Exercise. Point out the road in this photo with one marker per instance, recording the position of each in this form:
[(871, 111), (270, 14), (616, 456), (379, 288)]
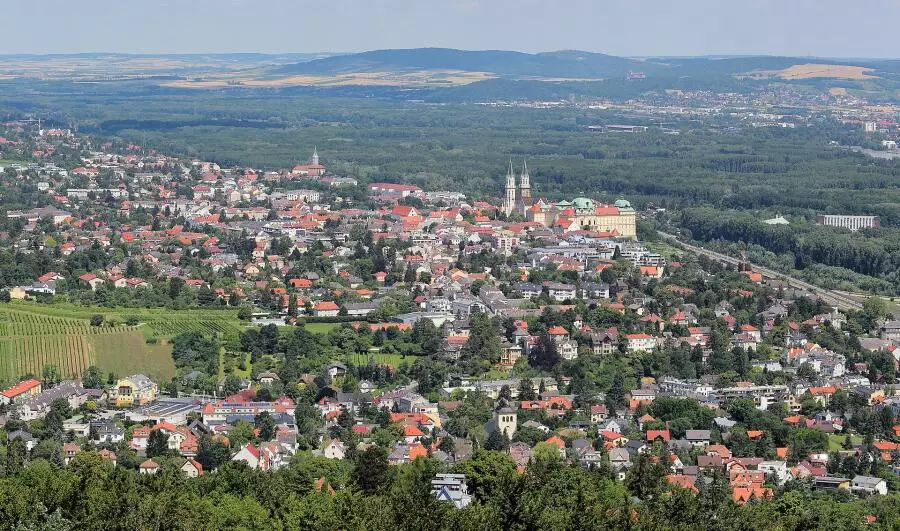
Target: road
[(839, 299)]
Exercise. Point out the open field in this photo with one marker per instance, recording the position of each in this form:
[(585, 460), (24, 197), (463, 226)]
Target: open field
[(128, 353), (320, 328), (418, 78), (35, 335), (833, 71)]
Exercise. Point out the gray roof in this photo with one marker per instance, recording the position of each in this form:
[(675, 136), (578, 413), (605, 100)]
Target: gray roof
[(697, 435)]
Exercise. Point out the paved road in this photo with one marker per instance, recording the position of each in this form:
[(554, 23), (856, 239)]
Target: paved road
[(835, 298)]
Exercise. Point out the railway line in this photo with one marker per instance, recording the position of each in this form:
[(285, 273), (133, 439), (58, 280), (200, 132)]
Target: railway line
[(838, 299)]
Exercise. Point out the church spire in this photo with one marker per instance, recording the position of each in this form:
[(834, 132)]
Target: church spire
[(315, 157), (525, 182), (509, 202)]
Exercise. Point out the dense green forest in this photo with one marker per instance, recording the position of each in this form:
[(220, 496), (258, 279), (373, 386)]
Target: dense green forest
[(872, 252)]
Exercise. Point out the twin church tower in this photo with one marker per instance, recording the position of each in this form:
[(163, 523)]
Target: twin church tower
[(517, 200)]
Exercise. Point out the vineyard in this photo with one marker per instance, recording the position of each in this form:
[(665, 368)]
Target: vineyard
[(33, 336)]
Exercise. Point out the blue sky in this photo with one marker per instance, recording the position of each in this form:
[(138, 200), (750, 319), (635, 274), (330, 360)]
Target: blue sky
[(623, 27)]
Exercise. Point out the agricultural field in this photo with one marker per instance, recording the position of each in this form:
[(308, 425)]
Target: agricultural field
[(35, 335), (129, 353)]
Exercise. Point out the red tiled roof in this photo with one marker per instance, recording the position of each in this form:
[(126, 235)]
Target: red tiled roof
[(20, 388)]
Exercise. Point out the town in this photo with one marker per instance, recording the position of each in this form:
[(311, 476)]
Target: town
[(310, 319)]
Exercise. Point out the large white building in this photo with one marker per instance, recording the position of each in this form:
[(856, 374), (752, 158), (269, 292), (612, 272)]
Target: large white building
[(849, 222)]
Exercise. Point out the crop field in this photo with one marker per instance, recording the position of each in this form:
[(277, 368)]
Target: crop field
[(34, 335), (173, 327)]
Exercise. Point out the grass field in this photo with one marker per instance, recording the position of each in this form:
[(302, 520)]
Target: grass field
[(129, 353), (320, 328), (34, 335), (836, 441)]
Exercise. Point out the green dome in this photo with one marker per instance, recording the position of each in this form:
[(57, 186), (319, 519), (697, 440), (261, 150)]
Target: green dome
[(583, 203), (621, 203)]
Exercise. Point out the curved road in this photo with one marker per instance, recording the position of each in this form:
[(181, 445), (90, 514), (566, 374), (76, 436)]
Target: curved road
[(835, 298)]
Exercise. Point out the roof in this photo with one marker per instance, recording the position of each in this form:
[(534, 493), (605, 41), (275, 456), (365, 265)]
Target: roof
[(21, 387)]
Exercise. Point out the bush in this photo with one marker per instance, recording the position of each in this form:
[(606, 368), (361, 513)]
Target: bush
[(96, 319)]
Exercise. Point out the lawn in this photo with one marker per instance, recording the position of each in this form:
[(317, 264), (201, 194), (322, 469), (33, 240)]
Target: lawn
[(320, 328), (836, 441), (128, 353)]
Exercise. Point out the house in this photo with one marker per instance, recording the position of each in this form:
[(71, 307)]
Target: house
[(25, 437), (150, 467), (778, 469), (326, 309), (640, 342), (619, 461), (20, 392), (248, 454), (598, 413), (268, 378), (697, 437), (70, 450), (452, 488), (192, 468), (560, 292), (868, 485), (334, 450), (136, 389), (91, 280)]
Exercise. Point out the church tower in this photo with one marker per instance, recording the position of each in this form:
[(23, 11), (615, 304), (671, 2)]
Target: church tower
[(314, 161), (509, 203), (525, 186)]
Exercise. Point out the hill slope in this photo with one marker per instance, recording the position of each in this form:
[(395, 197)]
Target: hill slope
[(568, 64)]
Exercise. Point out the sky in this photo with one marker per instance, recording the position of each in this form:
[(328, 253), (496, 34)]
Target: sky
[(823, 28)]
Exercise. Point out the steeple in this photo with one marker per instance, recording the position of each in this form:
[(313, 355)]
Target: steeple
[(315, 158), (509, 203), (525, 183)]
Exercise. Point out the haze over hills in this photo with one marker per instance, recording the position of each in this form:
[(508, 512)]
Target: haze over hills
[(559, 64)]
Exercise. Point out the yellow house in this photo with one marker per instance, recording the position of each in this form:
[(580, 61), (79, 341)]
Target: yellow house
[(134, 390)]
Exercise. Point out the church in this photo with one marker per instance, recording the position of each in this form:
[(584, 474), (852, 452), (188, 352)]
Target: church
[(581, 213)]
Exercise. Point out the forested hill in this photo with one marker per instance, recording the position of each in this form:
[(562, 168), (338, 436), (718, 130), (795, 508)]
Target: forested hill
[(571, 64)]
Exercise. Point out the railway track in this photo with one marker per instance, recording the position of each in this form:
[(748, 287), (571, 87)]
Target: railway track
[(840, 300)]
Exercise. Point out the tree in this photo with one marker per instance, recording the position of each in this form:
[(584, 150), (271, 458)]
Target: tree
[(96, 319), (50, 375), (157, 443), (241, 433), (265, 424), (545, 354), (497, 441), (371, 471), (212, 453)]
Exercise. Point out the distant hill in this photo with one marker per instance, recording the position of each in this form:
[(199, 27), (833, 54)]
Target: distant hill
[(564, 64), (567, 64)]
